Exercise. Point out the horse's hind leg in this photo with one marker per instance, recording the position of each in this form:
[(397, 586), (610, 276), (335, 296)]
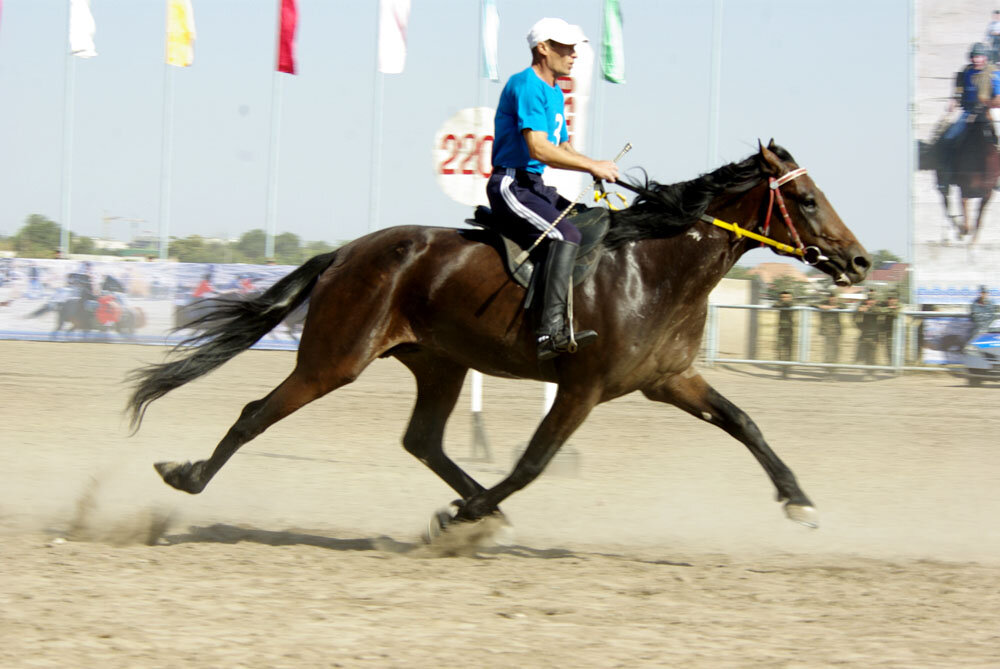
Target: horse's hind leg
[(439, 383), (690, 392), (302, 386)]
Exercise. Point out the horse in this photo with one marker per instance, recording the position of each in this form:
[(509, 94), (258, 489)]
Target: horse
[(441, 301), (101, 314), (974, 169)]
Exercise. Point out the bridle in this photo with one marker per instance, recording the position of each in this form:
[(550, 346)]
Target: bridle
[(811, 255)]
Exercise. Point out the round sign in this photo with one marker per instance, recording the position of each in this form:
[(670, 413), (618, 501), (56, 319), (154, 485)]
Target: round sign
[(463, 147)]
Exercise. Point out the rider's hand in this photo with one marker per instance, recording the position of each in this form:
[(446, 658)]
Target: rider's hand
[(605, 170)]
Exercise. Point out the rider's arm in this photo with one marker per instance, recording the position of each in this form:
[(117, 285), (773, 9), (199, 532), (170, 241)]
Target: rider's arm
[(565, 157)]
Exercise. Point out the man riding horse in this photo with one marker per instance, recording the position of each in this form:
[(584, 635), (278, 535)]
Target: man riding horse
[(530, 133), (977, 90)]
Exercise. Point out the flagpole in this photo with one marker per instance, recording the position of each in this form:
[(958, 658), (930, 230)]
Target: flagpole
[(376, 171), (272, 168), (67, 158), (715, 93), (271, 215), (166, 160)]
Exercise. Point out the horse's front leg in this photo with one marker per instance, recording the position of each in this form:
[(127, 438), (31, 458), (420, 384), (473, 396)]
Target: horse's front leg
[(690, 392), (979, 216), (568, 412)]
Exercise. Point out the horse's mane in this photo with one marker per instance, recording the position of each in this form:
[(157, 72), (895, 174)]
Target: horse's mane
[(665, 210)]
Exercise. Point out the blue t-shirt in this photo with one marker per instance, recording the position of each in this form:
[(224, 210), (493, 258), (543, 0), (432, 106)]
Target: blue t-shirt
[(970, 93), (526, 102)]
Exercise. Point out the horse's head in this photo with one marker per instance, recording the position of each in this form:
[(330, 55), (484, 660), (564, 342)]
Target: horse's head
[(804, 219)]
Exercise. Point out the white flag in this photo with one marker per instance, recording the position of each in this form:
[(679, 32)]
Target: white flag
[(393, 17), (490, 32), (81, 29)]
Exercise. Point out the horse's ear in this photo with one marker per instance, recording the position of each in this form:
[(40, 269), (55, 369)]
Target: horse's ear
[(770, 162), (771, 144)]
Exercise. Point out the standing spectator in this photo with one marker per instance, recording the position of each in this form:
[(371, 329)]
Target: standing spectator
[(830, 329), (888, 313), (993, 36), (786, 329), (982, 312), (867, 320)]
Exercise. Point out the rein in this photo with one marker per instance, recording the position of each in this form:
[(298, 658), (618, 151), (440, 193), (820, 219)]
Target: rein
[(809, 254)]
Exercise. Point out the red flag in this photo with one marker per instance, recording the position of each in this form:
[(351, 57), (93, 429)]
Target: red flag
[(286, 38)]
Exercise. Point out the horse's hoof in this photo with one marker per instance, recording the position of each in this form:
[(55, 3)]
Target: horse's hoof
[(805, 515), (178, 475), (444, 526), (439, 522)]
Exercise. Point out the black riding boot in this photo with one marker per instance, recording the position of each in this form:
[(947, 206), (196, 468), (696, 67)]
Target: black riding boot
[(553, 331)]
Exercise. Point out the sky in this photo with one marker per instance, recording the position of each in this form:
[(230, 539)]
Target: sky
[(829, 81)]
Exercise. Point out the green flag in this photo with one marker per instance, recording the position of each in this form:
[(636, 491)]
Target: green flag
[(613, 46)]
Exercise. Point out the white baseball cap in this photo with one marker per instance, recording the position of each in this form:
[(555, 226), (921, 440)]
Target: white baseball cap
[(556, 30)]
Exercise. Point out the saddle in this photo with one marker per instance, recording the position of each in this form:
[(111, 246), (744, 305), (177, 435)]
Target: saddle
[(592, 223)]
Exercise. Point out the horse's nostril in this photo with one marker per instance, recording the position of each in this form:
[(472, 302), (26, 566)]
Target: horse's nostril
[(862, 263)]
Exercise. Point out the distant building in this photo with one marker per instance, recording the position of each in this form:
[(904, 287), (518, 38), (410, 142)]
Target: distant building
[(769, 271), (889, 272)]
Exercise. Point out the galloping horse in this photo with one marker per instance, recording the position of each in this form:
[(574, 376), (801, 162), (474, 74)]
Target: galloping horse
[(441, 302), (974, 168)]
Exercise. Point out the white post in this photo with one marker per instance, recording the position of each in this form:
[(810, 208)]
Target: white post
[(477, 391), (166, 159), (550, 397)]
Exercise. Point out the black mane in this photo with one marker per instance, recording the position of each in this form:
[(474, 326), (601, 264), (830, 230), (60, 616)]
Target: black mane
[(667, 210)]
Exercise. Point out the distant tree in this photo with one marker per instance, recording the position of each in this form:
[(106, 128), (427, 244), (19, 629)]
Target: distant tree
[(195, 249), (883, 256), (286, 249), (739, 272), (81, 245), (797, 288), (37, 238), (251, 246)]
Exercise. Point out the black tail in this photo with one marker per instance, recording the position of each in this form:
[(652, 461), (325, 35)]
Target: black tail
[(227, 330)]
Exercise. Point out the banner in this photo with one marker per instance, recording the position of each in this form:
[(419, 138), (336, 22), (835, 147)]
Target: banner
[(613, 43), (393, 18), (81, 29), (180, 33), (954, 250), (127, 302), (286, 36), (490, 36)]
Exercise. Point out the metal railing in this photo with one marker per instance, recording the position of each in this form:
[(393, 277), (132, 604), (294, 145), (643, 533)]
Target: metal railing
[(751, 338)]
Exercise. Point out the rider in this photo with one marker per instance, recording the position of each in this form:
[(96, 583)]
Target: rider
[(977, 90), (530, 133)]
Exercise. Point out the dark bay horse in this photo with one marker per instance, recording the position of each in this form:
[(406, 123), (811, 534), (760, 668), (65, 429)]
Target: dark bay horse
[(973, 166), (441, 303)]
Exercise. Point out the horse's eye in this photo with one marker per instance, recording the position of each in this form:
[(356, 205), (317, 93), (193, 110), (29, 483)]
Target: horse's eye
[(809, 203)]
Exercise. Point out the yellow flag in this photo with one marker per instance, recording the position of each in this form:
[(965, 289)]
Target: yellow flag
[(180, 33)]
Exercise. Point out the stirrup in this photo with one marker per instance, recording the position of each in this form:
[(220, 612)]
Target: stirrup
[(550, 346)]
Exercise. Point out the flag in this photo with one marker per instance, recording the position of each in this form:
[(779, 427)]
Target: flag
[(490, 31), (286, 37), (613, 46), (180, 33), (81, 29), (393, 17)]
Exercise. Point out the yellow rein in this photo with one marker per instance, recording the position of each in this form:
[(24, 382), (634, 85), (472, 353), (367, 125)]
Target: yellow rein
[(740, 232)]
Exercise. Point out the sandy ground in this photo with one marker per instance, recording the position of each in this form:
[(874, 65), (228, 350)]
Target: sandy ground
[(653, 541)]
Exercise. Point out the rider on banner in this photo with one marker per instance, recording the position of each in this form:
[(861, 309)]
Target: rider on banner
[(977, 90), (530, 133)]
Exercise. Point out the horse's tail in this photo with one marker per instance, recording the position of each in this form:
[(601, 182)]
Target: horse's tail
[(227, 330)]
